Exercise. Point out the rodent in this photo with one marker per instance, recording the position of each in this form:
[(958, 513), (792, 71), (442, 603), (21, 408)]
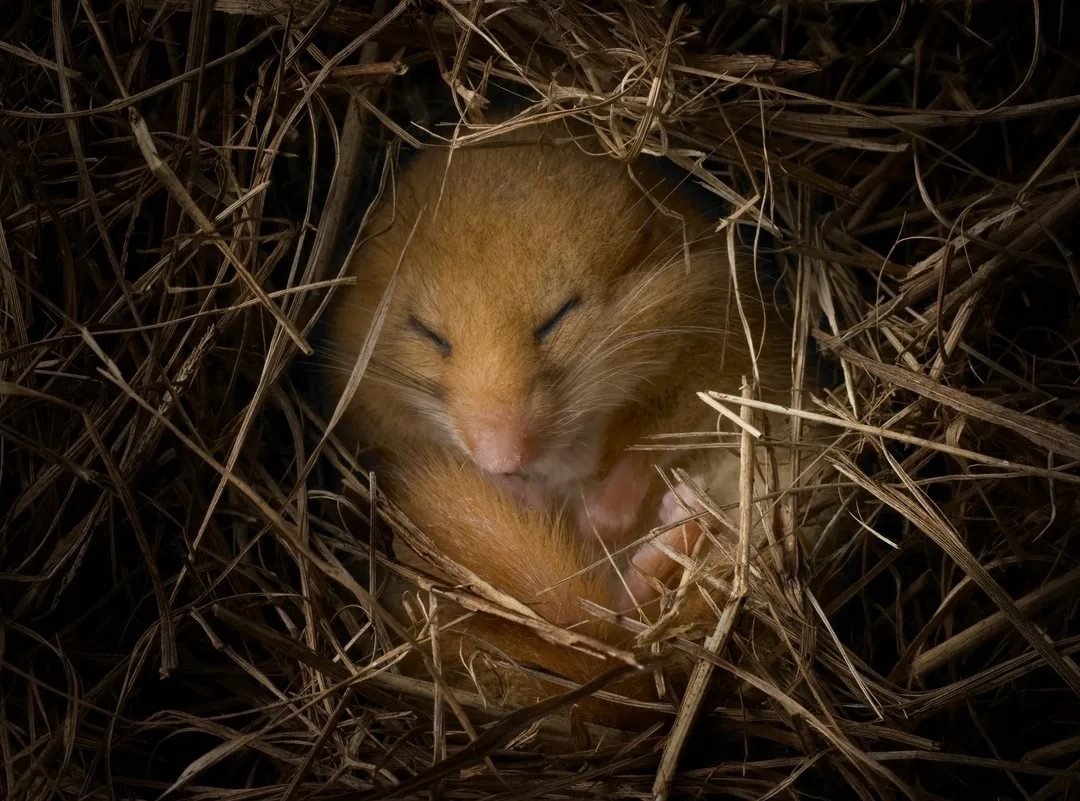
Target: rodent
[(546, 315)]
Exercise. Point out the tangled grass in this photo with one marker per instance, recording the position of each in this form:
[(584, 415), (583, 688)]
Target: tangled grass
[(191, 568)]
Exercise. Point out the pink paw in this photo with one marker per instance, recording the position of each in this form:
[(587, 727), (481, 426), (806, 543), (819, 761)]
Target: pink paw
[(611, 506), (679, 503), (608, 520), (650, 567)]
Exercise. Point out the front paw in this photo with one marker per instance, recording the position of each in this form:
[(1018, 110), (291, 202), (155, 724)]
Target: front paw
[(608, 519), (610, 507), (657, 562), (680, 503)]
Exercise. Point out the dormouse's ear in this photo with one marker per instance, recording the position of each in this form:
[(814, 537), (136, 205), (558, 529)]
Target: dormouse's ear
[(648, 246), (670, 221), (662, 236)]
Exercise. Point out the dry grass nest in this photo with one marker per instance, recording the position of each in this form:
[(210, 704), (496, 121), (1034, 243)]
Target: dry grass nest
[(192, 571)]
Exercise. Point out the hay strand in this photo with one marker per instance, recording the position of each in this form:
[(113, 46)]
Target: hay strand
[(196, 597)]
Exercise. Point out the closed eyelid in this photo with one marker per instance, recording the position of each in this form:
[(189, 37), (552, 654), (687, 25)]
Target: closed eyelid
[(552, 322), (425, 331)]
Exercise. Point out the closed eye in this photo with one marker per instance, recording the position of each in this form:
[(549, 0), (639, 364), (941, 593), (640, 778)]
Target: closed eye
[(552, 322), (436, 340)]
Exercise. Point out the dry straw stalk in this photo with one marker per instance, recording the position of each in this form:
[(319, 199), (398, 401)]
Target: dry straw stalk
[(194, 589)]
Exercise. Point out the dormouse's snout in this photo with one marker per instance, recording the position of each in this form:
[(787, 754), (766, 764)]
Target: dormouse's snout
[(499, 440)]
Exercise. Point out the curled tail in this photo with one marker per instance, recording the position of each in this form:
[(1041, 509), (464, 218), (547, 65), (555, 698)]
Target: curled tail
[(534, 563)]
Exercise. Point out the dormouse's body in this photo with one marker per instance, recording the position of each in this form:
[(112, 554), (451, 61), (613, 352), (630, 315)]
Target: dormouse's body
[(545, 315)]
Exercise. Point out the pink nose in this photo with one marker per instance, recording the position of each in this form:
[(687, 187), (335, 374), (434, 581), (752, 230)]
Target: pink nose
[(498, 440)]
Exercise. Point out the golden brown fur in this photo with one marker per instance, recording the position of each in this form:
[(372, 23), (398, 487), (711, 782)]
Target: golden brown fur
[(491, 242)]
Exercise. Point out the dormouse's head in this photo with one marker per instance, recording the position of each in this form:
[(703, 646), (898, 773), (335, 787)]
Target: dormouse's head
[(539, 293)]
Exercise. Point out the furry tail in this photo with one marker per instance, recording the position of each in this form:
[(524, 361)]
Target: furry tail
[(477, 533)]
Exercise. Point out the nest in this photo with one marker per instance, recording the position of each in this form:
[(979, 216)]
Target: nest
[(192, 568)]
